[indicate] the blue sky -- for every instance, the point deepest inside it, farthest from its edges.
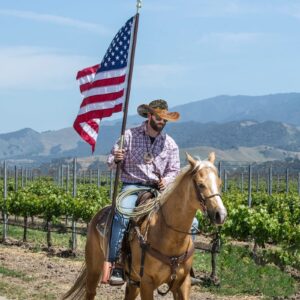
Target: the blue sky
(186, 51)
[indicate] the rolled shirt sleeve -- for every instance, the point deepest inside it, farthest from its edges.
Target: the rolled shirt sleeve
(111, 158)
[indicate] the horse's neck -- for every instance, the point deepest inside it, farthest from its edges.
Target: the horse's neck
(175, 215)
(178, 210)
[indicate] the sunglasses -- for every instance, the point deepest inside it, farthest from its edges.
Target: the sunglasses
(158, 119)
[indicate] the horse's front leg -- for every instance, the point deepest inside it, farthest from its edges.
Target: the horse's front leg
(183, 291)
(132, 291)
(147, 288)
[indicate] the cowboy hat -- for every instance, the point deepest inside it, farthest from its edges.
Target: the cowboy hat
(159, 108)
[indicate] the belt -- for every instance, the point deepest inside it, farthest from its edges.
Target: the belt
(152, 185)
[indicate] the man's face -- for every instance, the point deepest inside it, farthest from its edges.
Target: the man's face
(156, 122)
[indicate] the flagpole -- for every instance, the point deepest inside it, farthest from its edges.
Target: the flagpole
(124, 121)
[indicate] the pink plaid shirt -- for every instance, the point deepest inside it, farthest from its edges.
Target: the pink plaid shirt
(136, 143)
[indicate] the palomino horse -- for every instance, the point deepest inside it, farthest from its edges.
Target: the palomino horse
(162, 245)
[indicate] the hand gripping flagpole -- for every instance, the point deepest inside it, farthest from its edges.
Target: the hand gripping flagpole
(107, 265)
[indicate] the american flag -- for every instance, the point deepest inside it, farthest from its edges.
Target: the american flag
(103, 86)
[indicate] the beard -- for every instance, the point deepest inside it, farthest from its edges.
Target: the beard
(157, 127)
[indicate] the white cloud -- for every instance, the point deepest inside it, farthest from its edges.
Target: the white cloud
(33, 68)
(58, 20)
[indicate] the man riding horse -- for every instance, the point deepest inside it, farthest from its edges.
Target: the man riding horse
(149, 158)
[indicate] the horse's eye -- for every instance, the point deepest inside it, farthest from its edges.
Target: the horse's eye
(201, 185)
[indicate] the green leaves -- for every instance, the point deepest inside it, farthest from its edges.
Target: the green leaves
(43, 198)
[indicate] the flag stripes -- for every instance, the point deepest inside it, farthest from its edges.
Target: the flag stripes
(103, 86)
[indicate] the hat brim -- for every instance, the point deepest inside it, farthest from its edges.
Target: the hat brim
(144, 109)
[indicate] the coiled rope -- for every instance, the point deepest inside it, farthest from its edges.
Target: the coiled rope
(140, 210)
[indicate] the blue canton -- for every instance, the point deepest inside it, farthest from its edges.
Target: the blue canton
(116, 56)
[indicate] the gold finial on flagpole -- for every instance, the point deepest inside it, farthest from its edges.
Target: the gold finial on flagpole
(138, 5)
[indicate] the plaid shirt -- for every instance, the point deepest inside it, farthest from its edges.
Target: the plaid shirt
(136, 143)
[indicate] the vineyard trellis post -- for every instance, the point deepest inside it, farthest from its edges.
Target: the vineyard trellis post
(62, 176)
(249, 185)
(219, 169)
(91, 176)
(242, 182)
(26, 176)
(58, 176)
(257, 182)
(111, 184)
(4, 212)
(22, 178)
(270, 181)
(74, 239)
(225, 181)
(16, 179)
(98, 178)
(68, 178)
(299, 184)
(287, 181)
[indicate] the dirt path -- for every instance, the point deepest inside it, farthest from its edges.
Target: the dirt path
(38, 276)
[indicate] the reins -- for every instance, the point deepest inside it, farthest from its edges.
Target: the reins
(202, 201)
(172, 261)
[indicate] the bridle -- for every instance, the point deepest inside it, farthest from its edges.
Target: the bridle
(201, 198)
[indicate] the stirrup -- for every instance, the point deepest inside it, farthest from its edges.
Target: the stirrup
(117, 277)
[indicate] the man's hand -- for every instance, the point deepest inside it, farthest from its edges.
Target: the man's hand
(119, 155)
(162, 184)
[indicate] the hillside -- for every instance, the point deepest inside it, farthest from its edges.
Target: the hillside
(266, 140)
(283, 108)
(236, 127)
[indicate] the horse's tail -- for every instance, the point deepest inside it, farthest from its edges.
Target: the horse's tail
(78, 290)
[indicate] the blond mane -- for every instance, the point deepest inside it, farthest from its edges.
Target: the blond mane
(188, 169)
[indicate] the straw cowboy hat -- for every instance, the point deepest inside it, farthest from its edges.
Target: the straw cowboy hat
(159, 108)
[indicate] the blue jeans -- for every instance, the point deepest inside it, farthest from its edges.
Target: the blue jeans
(120, 223)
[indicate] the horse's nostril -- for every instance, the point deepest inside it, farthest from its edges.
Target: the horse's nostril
(218, 218)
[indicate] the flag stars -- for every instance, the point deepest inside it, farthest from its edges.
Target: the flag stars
(117, 54)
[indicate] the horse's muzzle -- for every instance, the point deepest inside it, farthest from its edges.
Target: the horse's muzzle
(218, 217)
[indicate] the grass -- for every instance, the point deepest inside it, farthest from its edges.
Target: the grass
(12, 273)
(13, 291)
(37, 238)
(240, 275)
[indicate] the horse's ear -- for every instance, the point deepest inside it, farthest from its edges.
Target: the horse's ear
(212, 157)
(190, 159)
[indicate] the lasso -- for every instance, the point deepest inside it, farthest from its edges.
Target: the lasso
(140, 210)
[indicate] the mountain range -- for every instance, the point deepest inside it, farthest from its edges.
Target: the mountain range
(243, 128)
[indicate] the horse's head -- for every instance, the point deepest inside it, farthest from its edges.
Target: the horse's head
(207, 187)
